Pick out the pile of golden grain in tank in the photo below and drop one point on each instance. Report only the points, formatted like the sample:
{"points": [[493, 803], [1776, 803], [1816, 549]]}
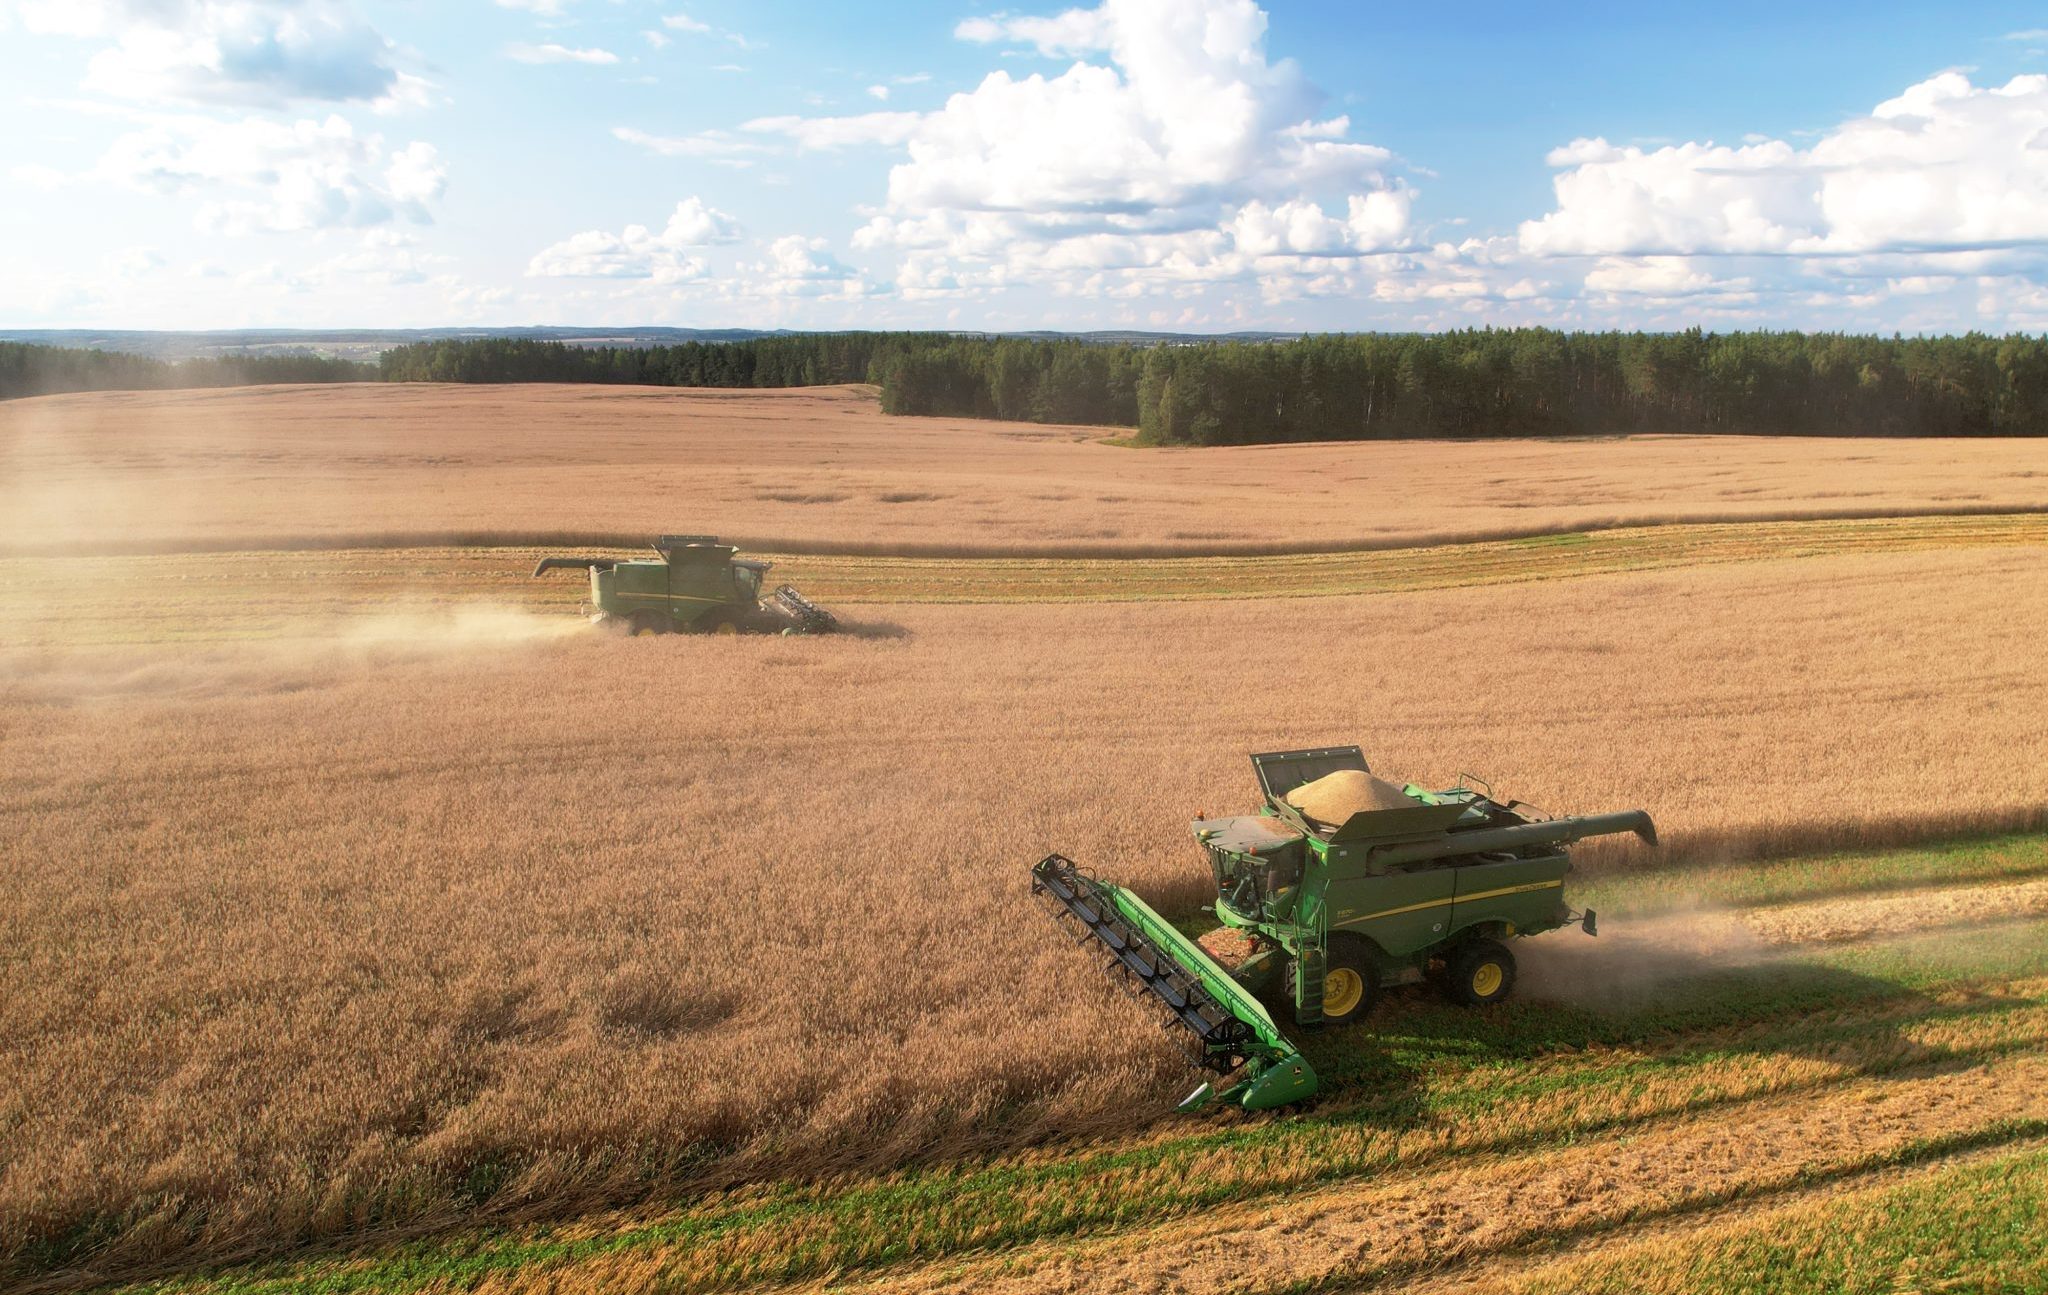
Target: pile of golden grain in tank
{"points": [[1335, 797]]}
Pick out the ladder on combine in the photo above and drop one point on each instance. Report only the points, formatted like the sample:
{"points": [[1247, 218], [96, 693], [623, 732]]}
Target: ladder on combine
{"points": [[1232, 1034]]}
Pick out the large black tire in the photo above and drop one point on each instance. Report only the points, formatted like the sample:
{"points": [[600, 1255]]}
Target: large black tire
{"points": [[1350, 983], [648, 624], [719, 623], [1480, 972]]}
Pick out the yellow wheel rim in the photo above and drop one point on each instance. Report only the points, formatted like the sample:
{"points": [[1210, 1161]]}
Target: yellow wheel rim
{"points": [[1342, 989], [1486, 978], [725, 627], [644, 632]]}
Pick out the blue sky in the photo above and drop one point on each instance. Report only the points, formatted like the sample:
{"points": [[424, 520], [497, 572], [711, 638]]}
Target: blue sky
{"points": [[1203, 165]]}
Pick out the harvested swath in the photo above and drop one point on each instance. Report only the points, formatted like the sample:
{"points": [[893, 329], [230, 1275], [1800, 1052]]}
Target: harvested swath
{"points": [[1485, 1207], [1335, 797]]}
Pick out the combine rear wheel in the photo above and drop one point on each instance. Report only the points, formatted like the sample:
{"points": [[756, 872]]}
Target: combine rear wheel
{"points": [[1481, 972], [1350, 983], [648, 624]]}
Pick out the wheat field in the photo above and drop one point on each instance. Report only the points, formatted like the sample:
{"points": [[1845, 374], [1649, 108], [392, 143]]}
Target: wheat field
{"points": [[271, 467], [317, 937], [372, 926]]}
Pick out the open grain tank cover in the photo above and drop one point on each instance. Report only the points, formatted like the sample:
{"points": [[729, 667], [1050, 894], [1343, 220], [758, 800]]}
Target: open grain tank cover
{"points": [[1280, 772], [1335, 797]]}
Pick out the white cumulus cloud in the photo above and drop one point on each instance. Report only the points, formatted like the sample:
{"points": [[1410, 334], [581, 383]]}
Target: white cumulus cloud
{"points": [[553, 53], [814, 134], [712, 145], [684, 23], [1945, 166], [230, 52], [1657, 276], [797, 266], [639, 252], [1172, 149], [262, 175]]}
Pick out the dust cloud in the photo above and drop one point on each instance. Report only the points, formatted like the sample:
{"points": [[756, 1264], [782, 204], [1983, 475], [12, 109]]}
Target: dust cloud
{"points": [[297, 656], [460, 627], [1634, 961]]}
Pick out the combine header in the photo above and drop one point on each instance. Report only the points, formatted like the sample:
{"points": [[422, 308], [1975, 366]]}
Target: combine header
{"points": [[1340, 885], [1233, 1034], [698, 586]]}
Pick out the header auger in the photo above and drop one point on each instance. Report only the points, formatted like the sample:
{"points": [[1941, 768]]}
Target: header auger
{"points": [[698, 586], [1341, 884]]}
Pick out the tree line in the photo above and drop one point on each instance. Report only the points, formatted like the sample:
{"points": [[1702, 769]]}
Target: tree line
{"points": [[780, 360], [33, 370], [1054, 381], [1493, 383], [1472, 383]]}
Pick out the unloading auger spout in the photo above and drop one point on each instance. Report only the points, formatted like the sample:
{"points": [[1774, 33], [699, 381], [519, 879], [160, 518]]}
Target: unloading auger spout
{"points": [[1231, 1032]]}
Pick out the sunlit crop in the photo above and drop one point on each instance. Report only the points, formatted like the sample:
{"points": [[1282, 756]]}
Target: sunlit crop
{"points": [[305, 939], [823, 466]]}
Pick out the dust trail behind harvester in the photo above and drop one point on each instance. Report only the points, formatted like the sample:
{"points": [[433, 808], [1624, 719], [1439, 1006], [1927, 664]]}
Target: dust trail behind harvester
{"points": [[289, 657], [1634, 961], [454, 627]]}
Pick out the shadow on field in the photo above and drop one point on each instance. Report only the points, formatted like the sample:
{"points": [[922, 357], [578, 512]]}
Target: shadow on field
{"points": [[1676, 1011], [872, 629]]}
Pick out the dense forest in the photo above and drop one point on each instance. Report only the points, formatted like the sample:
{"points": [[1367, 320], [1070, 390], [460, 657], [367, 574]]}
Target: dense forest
{"points": [[46, 370], [1494, 382], [786, 360], [1474, 383]]}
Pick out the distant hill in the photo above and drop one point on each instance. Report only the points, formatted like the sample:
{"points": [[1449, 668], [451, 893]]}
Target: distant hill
{"points": [[365, 344], [349, 343]]}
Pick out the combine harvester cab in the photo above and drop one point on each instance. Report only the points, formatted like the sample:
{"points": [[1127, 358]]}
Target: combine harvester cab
{"points": [[698, 586], [1339, 885]]}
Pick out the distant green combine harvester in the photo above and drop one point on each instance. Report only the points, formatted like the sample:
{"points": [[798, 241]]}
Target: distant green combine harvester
{"points": [[698, 586]]}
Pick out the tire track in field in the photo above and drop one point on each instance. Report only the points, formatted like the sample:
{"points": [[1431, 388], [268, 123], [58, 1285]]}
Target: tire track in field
{"points": [[1919, 910], [1511, 1272], [1410, 1223]]}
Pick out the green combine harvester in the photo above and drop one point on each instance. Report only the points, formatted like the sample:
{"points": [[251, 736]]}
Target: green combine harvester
{"points": [[1339, 886], [699, 586]]}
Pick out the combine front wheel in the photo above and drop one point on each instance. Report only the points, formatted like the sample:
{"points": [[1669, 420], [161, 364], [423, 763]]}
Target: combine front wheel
{"points": [[1350, 982], [1481, 972], [720, 623], [646, 625]]}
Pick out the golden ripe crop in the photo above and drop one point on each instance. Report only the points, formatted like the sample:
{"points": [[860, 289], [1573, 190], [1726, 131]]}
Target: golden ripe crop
{"points": [[253, 467], [305, 938]]}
